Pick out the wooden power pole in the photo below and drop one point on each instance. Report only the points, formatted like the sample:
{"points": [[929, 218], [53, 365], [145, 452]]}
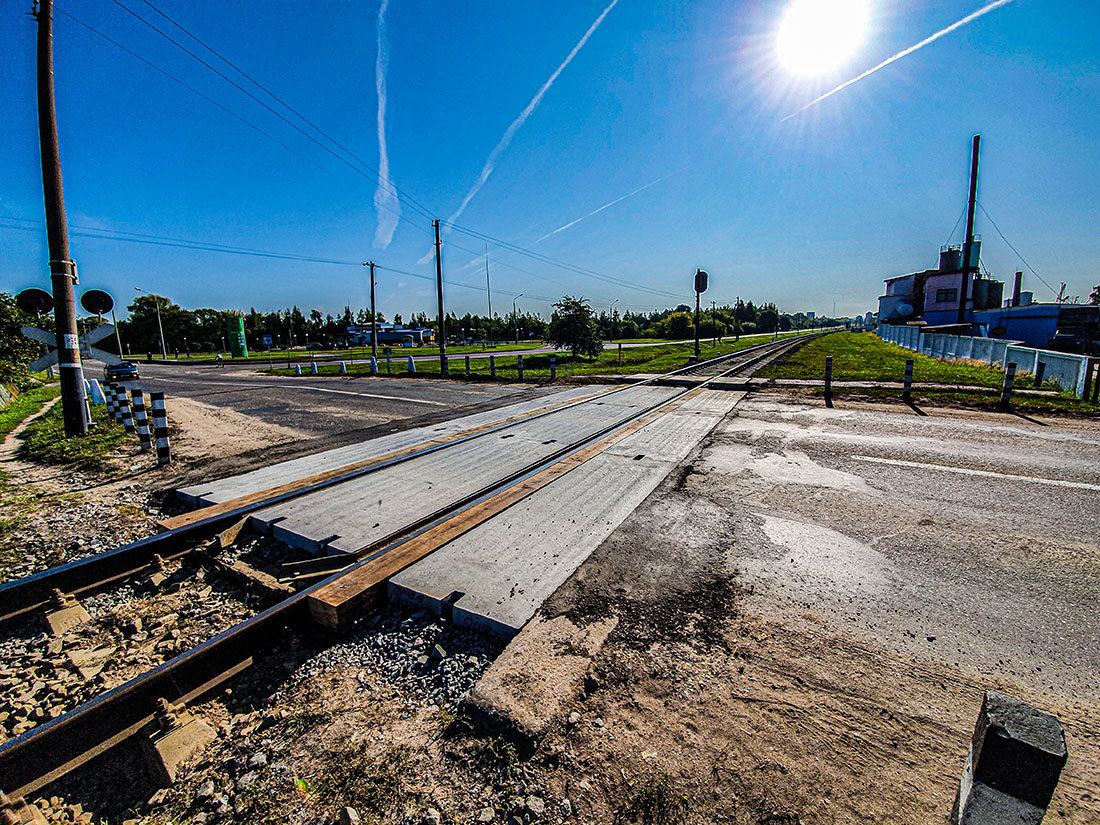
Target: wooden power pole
{"points": [[62, 267], [442, 323]]}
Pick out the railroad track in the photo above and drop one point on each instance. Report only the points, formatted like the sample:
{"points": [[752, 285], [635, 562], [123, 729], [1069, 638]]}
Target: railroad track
{"points": [[41, 755]]}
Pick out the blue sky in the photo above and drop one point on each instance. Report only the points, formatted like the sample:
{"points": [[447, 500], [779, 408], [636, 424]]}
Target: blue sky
{"points": [[805, 212]]}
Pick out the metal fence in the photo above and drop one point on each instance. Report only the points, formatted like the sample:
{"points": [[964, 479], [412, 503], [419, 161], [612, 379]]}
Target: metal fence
{"points": [[1068, 371]]}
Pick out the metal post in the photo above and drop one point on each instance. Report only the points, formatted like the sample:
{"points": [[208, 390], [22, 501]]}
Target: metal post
{"points": [[442, 323], [907, 389], [489, 295], [697, 325], [160, 427], [492, 366], [968, 243], [515, 319], [620, 354], [519, 366], [828, 381], [553, 367], [1040, 369], [467, 366], [62, 267], [1006, 388]]}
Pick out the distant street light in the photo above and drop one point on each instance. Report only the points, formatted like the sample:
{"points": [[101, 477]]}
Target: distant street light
{"points": [[160, 326], [515, 317]]}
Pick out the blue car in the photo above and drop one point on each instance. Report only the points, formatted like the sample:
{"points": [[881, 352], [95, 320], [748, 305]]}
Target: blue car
{"points": [[122, 371]]}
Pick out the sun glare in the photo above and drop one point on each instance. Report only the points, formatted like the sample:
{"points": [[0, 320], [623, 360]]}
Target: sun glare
{"points": [[818, 36]]}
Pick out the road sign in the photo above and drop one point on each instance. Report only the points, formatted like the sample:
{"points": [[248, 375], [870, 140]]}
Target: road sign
{"points": [[267, 342], [86, 349]]}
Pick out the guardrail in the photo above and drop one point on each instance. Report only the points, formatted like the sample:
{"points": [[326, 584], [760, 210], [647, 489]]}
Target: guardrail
{"points": [[1070, 372]]}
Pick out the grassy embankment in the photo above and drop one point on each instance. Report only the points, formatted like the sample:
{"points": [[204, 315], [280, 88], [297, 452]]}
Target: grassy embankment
{"points": [[44, 440], [656, 359], [866, 357]]}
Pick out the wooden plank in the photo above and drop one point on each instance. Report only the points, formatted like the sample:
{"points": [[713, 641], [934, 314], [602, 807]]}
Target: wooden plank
{"points": [[356, 592], [291, 487]]}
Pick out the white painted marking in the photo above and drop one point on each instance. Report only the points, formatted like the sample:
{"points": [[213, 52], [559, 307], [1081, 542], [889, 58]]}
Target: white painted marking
{"points": [[1054, 482], [246, 385]]}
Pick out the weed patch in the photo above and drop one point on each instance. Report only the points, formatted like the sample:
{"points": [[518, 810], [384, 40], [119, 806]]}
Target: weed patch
{"points": [[44, 440]]}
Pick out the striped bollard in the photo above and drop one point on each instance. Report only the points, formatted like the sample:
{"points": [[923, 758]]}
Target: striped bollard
{"points": [[120, 393], [444, 367], [387, 363], [312, 367], [343, 368], [141, 420], [1006, 389], [373, 365], [412, 365], [160, 427], [297, 369], [492, 366], [109, 397], [907, 388], [519, 366], [127, 415], [467, 366], [828, 381], [553, 367]]}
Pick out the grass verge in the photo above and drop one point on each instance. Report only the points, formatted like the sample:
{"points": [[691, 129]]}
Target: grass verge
{"points": [[24, 406], [974, 399], [866, 357], [656, 359], [44, 440]]}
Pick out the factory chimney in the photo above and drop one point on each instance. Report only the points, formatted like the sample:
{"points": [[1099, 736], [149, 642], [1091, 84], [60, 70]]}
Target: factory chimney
{"points": [[1016, 284], [968, 244]]}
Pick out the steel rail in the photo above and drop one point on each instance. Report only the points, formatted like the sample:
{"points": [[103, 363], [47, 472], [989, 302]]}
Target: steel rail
{"points": [[91, 573], [52, 749]]}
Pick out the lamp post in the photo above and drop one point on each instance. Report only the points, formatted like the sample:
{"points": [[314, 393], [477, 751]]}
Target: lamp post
{"points": [[611, 318], [160, 326], [515, 319]]}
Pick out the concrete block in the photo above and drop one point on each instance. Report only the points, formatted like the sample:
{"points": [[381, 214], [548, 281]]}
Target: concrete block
{"points": [[176, 737], [65, 613], [1016, 758]]}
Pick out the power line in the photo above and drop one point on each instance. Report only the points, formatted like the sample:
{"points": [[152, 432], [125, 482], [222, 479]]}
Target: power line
{"points": [[1018, 255]]}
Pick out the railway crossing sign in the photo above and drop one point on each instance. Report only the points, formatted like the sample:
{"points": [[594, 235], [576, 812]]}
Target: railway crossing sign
{"points": [[85, 343]]}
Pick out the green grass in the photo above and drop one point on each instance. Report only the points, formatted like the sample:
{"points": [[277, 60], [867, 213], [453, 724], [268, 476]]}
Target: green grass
{"points": [[979, 399], [302, 355], [378, 788], [44, 440], [866, 357], [651, 359], [24, 406]]}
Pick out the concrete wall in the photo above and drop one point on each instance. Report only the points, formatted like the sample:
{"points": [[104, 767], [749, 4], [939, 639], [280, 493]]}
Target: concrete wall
{"points": [[1066, 370]]}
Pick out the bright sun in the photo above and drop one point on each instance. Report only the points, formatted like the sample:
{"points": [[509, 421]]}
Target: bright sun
{"points": [[817, 36]]}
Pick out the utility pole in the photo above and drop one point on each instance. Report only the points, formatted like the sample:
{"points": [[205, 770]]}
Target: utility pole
{"points": [[439, 290], [489, 295], [160, 326], [515, 319], [373, 316], [968, 244], [62, 267], [611, 318], [701, 279]]}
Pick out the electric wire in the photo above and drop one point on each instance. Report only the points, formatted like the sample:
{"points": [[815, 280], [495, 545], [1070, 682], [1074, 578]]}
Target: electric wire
{"points": [[1018, 255]]}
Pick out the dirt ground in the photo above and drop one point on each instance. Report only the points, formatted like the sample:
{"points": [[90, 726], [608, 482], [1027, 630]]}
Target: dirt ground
{"points": [[781, 633]]}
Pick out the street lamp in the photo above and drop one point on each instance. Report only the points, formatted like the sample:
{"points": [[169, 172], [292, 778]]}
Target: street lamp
{"points": [[611, 318], [515, 321], [160, 326]]}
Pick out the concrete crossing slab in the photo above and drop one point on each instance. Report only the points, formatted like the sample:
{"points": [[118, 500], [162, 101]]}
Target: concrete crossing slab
{"points": [[264, 478], [360, 512], [496, 576]]}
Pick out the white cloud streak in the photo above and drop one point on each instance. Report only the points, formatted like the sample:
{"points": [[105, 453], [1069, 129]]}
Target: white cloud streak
{"points": [[970, 18], [510, 132], [602, 208], [386, 203]]}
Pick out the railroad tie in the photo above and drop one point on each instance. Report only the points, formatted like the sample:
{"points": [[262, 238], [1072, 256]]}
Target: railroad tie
{"points": [[160, 427], [141, 420]]}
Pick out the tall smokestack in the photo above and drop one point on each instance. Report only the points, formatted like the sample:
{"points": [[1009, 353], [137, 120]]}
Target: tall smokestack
{"points": [[968, 244], [1016, 284]]}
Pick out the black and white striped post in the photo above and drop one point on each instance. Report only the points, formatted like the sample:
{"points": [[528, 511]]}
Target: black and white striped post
{"points": [[492, 366], [907, 388], [553, 367], [109, 397], [467, 366], [828, 381], [1006, 389], [160, 427], [127, 415], [141, 420], [120, 401], [519, 366], [444, 368]]}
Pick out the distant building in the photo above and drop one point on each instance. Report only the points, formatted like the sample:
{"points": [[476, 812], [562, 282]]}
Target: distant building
{"points": [[390, 334], [930, 299]]}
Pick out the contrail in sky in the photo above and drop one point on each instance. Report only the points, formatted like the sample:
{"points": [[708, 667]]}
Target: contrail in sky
{"points": [[984, 10], [605, 206], [386, 203], [510, 132]]}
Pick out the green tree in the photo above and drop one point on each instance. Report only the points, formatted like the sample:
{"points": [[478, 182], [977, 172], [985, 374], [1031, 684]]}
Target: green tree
{"points": [[16, 350], [573, 327]]}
